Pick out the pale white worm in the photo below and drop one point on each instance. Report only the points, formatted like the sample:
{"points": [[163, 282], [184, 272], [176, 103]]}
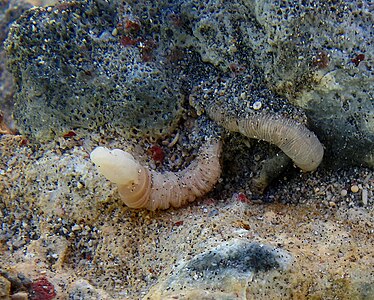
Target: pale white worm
{"points": [[154, 190], [293, 138]]}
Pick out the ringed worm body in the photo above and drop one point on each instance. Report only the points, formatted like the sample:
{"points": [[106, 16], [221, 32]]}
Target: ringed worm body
{"points": [[153, 190], [293, 138]]}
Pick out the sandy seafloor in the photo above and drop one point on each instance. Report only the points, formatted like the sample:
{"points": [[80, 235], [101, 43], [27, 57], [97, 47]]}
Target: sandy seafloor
{"points": [[57, 226], [65, 233]]}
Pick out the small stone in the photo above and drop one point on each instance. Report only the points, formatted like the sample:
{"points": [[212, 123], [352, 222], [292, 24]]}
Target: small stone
{"points": [[76, 227], [19, 296], [232, 259], [354, 188], [4, 288], [343, 193], [257, 105], [332, 204], [364, 197], [82, 289]]}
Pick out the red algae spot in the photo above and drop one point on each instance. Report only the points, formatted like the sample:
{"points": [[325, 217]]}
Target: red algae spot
{"points": [[23, 142], [179, 223], [321, 60], [132, 26], [146, 49], [236, 69], [157, 153], [69, 134], [210, 202], [241, 197], [42, 289], [127, 41], [359, 58]]}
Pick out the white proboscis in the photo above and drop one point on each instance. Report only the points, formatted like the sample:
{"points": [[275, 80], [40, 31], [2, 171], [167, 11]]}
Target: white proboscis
{"points": [[116, 165]]}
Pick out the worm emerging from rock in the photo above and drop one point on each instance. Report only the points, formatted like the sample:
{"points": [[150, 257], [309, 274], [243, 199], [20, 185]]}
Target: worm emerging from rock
{"points": [[293, 138], [140, 187]]}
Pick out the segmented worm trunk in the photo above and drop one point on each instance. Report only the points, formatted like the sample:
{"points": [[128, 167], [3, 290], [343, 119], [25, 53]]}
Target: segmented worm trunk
{"points": [[161, 190], [293, 138]]}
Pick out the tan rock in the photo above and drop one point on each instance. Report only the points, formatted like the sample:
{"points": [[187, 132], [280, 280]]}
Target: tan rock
{"points": [[4, 288]]}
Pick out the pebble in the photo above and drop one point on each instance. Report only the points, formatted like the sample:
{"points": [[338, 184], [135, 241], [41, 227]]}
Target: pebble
{"points": [[19, 296], [257, 105], [76, 227], [364, 197], [354, 188], [332, 204], [343, 193]]}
